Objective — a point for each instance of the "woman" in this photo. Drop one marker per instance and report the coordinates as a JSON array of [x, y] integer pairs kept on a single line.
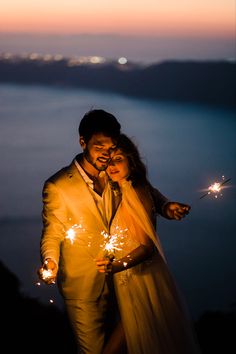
[[152, 313]]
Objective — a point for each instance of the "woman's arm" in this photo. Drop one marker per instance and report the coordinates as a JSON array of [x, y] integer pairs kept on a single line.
[[135, 257]]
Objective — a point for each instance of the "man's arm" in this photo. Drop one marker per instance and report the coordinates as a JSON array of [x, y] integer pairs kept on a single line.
[[53, 232]]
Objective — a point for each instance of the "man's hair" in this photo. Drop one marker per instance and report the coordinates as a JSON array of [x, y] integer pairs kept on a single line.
[[99, 121]]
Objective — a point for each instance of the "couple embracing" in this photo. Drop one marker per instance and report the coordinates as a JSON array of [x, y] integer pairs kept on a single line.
[[128, 303]]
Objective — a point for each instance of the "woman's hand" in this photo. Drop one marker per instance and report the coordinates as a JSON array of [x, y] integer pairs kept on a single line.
[[176, 211], [104, 265]]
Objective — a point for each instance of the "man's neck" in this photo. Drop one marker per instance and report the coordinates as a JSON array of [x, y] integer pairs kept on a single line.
[[98, 178]]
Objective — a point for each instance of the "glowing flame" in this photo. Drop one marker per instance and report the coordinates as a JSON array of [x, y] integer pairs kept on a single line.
[[46, 273], [216, 188], [114, 241], [71, 233]]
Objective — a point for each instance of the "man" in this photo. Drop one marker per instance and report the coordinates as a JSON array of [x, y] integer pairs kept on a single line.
[[75, 218]]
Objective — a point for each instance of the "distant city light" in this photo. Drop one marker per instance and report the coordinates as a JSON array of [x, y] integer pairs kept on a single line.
[[97, 60], [34, 56], [47, 57], [75, 61], [58, 57], [122, 60], [7, 55]]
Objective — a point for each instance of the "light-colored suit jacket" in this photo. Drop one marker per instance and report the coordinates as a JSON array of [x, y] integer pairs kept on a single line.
[[69, 204]]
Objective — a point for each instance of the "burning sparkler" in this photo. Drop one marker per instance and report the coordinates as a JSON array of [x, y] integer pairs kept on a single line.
[[79, 233], [71, 233], [47, 275], [112, 242], [216, 188]]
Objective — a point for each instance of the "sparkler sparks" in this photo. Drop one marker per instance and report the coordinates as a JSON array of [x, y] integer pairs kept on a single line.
[[78, 233], [51, 301], [47, 274], [113, 242], [216, 188], [71, 233]]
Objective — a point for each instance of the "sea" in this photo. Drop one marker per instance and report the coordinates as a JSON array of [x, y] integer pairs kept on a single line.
[[186, 148]]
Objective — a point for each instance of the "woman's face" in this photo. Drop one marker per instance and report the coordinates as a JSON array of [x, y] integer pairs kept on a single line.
[[118, 168]]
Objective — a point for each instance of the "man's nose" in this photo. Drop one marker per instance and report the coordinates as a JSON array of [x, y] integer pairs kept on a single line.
[[106, 152]]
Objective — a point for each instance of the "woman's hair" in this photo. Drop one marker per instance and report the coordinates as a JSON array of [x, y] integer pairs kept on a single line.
[[138, 170]]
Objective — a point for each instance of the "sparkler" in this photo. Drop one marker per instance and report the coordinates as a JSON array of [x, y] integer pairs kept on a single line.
[[113, 242], [46, 274], [79, 233], [216, 188], [71, 233]]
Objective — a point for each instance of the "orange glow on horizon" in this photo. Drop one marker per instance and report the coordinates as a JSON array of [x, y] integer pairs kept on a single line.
[[136, 17]]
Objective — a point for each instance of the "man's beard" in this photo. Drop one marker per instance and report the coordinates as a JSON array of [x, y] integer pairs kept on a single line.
[[88, 158]]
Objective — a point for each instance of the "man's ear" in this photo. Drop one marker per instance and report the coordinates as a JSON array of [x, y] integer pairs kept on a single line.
[[82, 142]]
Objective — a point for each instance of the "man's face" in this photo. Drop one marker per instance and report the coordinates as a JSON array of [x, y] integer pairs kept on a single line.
[[98, 150]]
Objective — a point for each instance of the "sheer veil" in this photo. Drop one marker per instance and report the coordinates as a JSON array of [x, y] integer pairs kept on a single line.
[[136, 210]]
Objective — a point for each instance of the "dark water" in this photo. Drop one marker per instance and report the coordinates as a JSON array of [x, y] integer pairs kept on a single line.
[[185, 147]]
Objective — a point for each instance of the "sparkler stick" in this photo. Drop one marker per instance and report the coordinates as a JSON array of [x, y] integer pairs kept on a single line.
[[225, 181]]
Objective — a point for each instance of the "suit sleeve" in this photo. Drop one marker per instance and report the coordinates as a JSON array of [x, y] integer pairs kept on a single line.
[[53, 215]]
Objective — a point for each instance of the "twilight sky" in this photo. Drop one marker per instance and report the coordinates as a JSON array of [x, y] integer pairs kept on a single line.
[[207, 22]]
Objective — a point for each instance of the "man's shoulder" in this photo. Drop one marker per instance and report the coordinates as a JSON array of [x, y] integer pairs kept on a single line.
[[60, 174]]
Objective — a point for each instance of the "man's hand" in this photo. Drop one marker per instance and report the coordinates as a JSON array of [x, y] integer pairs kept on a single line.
[[176, 211], [48, 272]]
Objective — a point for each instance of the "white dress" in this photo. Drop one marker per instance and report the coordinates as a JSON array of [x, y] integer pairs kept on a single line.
[[151, 309]]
